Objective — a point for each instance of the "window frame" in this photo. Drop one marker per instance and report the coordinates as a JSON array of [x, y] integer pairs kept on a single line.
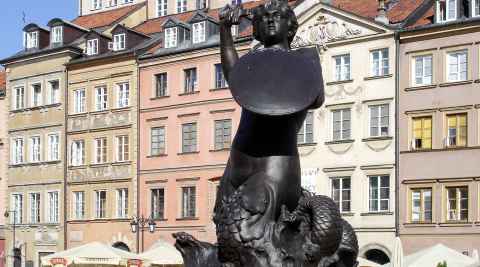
[[304, 132], [35, 208], [53, 149], [18, 207], [17, 151], [19, 90], [119, 41], [122, 148], [458, 202], [162, 8], [52, 217], [92, 47], [193, 141], [380, 116], [35, 149], [79, 101], [171, 37], [161, 208], [161, 143], [422, 210], [472, 7], [181, 6], [440, 18], [379, 198], [220, 81], [36, 99], [199, 32], [31, 39], [190, 80], [457, 130], [56, 35], [226, 138], [423, 76], [344, 68], [189, 211], [101, 98], [161, 84], [341, 189], [122, 209], [100, 145], [413, 143], [100, 206], [342, 130], [382, 57], [77, 154], [78, 206], [458, 65], [54, 95], [123, 94]]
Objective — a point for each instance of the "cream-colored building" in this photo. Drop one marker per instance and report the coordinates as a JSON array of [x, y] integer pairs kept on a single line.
[[3, 162], [347, 146], [87, 7]]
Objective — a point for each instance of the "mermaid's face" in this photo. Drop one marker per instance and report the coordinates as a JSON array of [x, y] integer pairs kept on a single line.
[[272, 26]]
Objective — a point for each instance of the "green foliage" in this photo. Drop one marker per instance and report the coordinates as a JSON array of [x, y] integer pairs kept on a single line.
[[442, 264]]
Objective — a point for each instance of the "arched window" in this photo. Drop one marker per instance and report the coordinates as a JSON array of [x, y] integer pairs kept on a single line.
[[122, 246], [377, 256]]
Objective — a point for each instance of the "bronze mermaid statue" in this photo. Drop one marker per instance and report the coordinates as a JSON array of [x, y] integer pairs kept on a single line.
[[263, 217]]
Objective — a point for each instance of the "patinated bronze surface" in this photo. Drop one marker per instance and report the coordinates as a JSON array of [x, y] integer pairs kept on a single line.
[[263, 216]]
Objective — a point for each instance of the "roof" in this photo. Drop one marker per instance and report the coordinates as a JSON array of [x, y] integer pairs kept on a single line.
[[3, 81], [106, 18], [397, 10]]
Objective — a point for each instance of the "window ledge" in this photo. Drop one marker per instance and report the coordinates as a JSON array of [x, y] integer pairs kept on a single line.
[[440, 149], [455, 223], [218, 89], [455, 83], [420, 87], [340, 82], [188, 153], [98, 112], [77, 167], [347, 214], [159, 97], [27, 164], [120, 163], [157, 156], [99, 165], [188, 219], [120, 109], [220, 150], [378, 77], [380, 213], [335, 142], [160, 219], [189, 93], [419, 224], [306, 144], [377, 138], [74, 115]]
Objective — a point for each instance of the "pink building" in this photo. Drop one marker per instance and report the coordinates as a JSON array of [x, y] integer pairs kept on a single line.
[[187, 121]]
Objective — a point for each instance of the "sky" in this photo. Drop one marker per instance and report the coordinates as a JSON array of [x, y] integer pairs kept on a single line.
[[37, 11]]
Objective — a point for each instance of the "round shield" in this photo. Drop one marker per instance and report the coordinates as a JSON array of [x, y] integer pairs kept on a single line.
[[277, 82]]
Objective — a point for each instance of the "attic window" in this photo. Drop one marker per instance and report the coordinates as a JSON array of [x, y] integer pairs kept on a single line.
[[170, 37], [198, 32], [119, 42], [57, 35], [446, 10], [475, 8], [92, 47], [31, 39]]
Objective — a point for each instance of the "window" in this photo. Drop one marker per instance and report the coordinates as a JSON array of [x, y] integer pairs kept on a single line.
[[123, 95], [201, 4], [161, 8], [31, 40], [342, 67], [423, 70], [236, 2], [52, 207], [77, 157], [19, 97], [188, 202], [96, 4], [17, 150], [457, 130], [100, 150], [341, 124], [157, 141], [457, 66], [79, 205], [198, 32], [305, 135], [190, 82], [223, 134], [170, 37], [119, 42], [122, 203], [101, 98], [100, 204], [34, 207], [92, 47], [36, 95], [53, 152], [57, 35], [220, 81], [379, 62], [341, 193], [379, 120], [54, 92], [457, 203], [122, 148], [379, 193], [421, 205], [446, 10], [17, 205], [113, 3], [475, 8], [35, 149], [422, 133], [189, 137], [161, 84], [158, 203], [79, 101], [181, 6]]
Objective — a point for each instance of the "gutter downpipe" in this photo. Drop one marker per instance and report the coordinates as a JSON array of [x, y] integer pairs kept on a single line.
[[138, 146], [397, 133], [65, 161]]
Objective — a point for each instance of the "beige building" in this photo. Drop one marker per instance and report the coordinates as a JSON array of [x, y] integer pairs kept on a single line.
[[102, 139], [3, 163], [87, 7], [36, 83]]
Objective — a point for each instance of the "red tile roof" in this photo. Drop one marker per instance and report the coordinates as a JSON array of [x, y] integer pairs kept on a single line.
[[369, 8], [3, 82], [425, 19], [106, 18]]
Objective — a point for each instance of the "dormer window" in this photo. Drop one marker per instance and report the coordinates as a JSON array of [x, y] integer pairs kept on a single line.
[[446, 10], [119, 42], [57, 35], [198, 32], [92, 47], [170, 37], [475, 8], [31, 40]]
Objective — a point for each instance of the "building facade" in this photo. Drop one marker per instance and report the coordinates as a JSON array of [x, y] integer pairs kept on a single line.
[[3, 163], [36, 84], [87, 7], [439, 129]]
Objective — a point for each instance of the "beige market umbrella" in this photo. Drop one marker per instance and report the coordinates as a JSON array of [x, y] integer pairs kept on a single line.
[[94, 253], [397, 260], [362, 262], [163, 254]]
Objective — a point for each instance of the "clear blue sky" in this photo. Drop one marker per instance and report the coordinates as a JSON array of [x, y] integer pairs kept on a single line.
[[38, 11]]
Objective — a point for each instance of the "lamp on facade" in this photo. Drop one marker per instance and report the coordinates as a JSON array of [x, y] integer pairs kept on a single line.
[[134, 224], [138, 225], [151, 225]]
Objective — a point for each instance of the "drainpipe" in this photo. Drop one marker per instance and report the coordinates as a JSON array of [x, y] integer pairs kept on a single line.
[[65, 159], [397, 133], [138, 146]]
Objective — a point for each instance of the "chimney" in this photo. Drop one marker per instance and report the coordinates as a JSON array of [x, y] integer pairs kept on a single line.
[[382, 12]]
